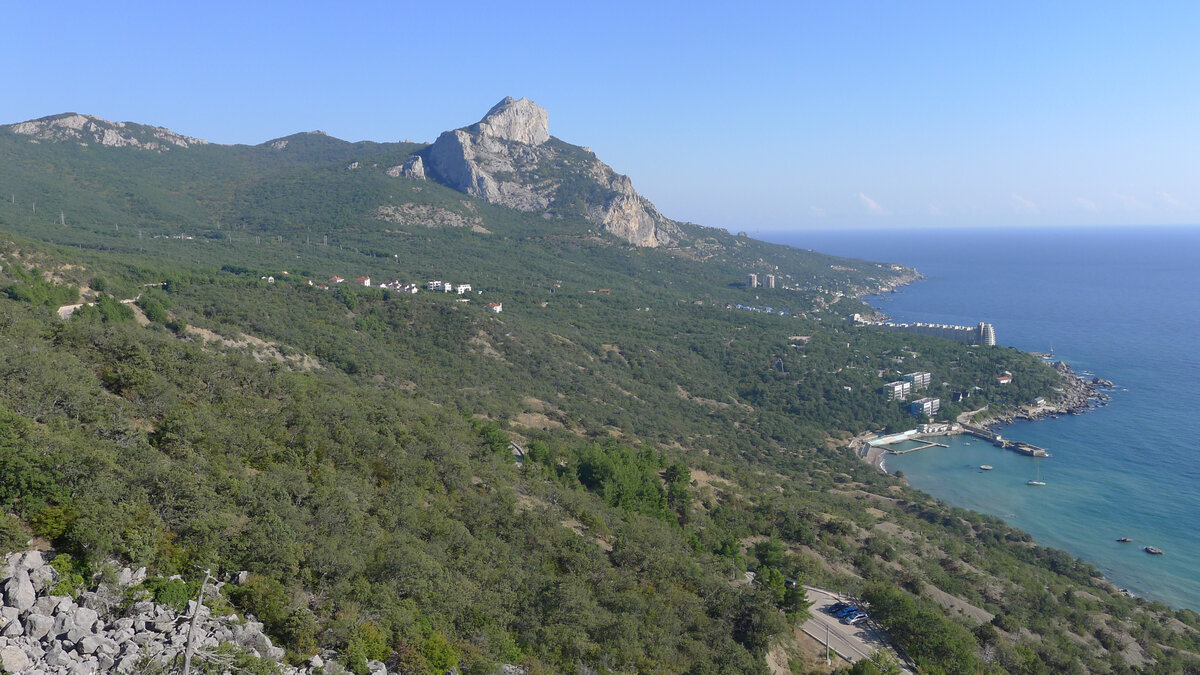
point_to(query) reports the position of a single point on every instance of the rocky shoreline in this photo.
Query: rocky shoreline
(1079, 396)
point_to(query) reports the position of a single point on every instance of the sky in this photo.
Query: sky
(791, 115)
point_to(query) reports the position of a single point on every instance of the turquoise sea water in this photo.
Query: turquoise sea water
(1122, 303)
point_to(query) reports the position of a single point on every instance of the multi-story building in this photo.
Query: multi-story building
(987, 334)
(897, 390)
(770, 281)
(920, 380)
(925, 406)
(982, 334)
(752, 280)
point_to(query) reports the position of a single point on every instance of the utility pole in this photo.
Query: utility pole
(187, 653)
(827, 659)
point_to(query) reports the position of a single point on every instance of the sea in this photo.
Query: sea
(1120, 303)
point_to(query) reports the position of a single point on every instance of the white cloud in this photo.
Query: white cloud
(1087, 205)
(816, 211)
(935, 210)
(1173, 202)
(873, 206)
(1023, 205)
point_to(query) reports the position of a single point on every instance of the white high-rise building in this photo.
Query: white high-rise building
(987, 334)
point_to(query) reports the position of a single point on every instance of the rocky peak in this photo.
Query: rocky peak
(507, 158)
(517, 120)
(88, 129)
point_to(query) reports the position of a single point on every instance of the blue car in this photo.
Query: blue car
(838, 606)
(846, 611)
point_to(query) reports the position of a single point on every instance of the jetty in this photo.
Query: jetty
(922, 446)
(1019, 447)
(921, 439)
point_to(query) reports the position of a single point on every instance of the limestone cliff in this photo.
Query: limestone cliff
(509, 158)
(87, 129)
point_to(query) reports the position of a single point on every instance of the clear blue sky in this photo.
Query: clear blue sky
(801, 115)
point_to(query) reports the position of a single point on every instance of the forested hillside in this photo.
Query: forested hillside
(578, 481)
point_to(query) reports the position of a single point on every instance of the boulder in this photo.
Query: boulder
(47, 605)
(37, 626)
(93, 643)
(19, 592)
(42, 578)
(14, 660)
(29, 560)
(83, 619)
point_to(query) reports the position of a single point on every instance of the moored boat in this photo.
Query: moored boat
(1124, 540)
(986, 467)
(1153, 550)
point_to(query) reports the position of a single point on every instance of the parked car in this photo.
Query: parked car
(846, 611)
(855, 618)
(837, 607)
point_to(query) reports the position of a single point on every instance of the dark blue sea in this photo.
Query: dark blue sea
(1120, 303)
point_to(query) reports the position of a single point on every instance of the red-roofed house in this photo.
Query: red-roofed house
(363, 281)
(495, 307)
(336, 279)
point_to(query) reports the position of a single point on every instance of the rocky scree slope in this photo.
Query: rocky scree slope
(509, 158)
(100, 631)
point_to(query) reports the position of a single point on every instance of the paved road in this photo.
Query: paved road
(850, 642)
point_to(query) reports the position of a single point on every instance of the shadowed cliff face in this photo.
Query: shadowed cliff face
(509, 158)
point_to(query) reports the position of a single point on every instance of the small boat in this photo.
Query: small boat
(1153, 550)
(1038, 480)
(986, 467)
(1124, 540)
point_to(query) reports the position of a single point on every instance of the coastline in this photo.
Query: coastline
(1141, 449)
(1079, 396)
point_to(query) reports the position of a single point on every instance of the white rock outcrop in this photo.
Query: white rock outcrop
(413, 167)
(86, 129)
(516, 120)
(507, 158)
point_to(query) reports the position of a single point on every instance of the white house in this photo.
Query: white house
(363, 281)
(462, 288)
(495, 307)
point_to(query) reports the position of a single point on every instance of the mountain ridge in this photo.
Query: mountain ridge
(507, 158)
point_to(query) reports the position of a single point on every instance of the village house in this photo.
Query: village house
(495, 307)
(363, 281)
